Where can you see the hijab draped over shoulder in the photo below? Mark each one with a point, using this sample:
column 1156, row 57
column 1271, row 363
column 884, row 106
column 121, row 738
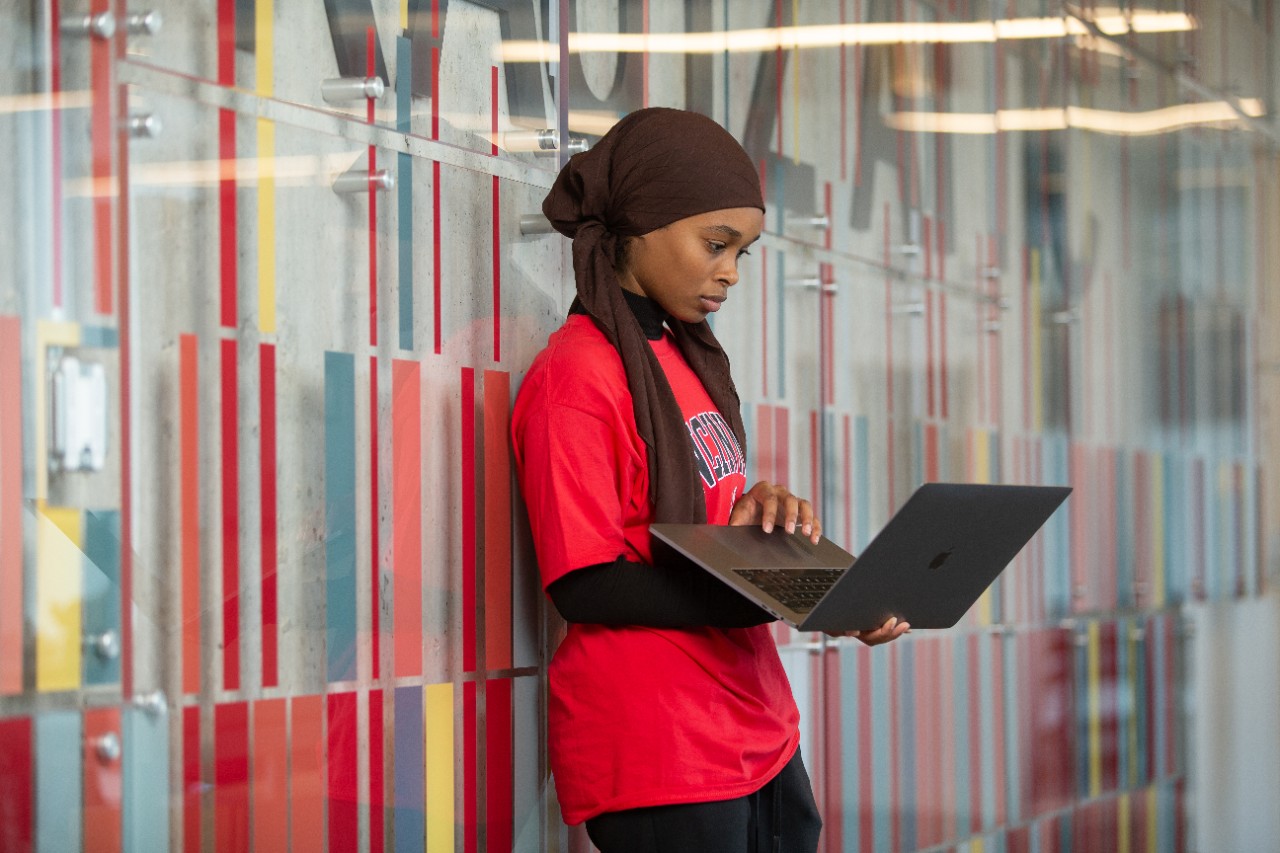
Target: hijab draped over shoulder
column 654, row 167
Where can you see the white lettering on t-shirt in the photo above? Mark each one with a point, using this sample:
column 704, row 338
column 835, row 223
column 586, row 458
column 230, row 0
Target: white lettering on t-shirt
column 716, row 450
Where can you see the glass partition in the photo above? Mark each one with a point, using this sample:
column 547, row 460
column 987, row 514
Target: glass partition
column 276, row 271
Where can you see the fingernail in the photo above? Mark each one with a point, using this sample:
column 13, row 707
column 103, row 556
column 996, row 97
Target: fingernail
column 768, row 527
column 791, row 527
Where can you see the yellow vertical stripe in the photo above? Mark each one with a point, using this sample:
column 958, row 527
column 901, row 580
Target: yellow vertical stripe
column 976, row 846
column 1153, row 823
column 439, row 756
column 1123, row 841
column 980, row 471
column 1095, row 713
column 1157, row 530
column 264, row 23
column 404, row 14
column 1037, row 384
column 59, row 582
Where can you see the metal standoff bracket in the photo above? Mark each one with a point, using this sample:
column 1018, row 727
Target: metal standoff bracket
column 107, row 747
column 343, row 90
column 105, row 645
column 535, row 223
column 820, row 221
column 152, row 704
column 913, row 308
column 1065, row 318
column 813, row 282
column 100, row 26
column 143, row 125
column 544, row 141
column 359, row 181
column 910, row 250
column 143, row 23
column 992, row 271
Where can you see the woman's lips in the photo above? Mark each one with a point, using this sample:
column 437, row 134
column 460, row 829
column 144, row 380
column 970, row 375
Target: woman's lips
column 712, row 303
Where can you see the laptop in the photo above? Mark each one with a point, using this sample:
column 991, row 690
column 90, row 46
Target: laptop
column 927, row 566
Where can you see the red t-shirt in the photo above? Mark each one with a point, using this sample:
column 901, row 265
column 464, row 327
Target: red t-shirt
column 638, row 716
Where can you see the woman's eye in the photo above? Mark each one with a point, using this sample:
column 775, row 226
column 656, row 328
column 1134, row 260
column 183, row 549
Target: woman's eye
column 742, row 252
column 715, row 246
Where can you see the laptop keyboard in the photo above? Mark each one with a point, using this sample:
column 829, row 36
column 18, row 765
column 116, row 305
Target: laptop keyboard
column 798, row 589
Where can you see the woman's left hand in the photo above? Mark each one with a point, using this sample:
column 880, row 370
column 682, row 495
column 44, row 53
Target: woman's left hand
column 767, row 504
column 891, row 630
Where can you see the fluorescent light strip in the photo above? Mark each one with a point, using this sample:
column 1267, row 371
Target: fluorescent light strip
column 1115, row 122
column 835, row 35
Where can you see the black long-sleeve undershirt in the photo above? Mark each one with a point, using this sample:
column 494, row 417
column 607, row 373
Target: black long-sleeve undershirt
column 658, row 596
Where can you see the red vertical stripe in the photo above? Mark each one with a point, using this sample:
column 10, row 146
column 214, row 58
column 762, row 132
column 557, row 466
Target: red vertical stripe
column 942, row 345
column 102, row 783
column 377, row 773
column 435, row 83
column 124, row 324
column 499, row 765
column 497, row 271
column 847, row 471
column 227, row 202
column 230, row 520
column 189, row 427
column 782, row 444
column 231, row 776
column 895, row 748
column 10, row 506
column 493, row 110
column 307, row 773
column 270, row 776
column 191, row 786
column 931, row 473
column 341, row 794
column 267, row 454
column 470, row 768
column 375, row 516
column 436, row 244
column 1109, row 711
column 16, row 794
column 497, row 519
column 100, row 119
column 1138, row 821
column 406, row 487
column 467, row 528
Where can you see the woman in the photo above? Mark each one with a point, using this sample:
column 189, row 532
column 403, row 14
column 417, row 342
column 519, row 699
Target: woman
column 672, row 724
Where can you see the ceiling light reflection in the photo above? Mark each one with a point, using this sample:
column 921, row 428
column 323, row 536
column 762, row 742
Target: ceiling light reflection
column 1116, row 122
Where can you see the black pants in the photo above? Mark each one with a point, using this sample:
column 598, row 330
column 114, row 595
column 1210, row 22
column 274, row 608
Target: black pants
column 779, row 818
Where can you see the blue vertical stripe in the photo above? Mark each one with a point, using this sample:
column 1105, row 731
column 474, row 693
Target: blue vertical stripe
column 882, row 815
column 146, row 781
column 1213, row 515
column 1124, row 704
column 340, row 514
column 1057, row 532
column 404, row 190
column 59, row 768
column 851, row 780
column 1177, row 527
column 410, row 794
column 1159, row 625
column 101, row 601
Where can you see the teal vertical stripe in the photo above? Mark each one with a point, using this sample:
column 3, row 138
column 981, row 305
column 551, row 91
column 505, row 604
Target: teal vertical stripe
column 1124, row 702
column 59, row 762
column 340, row 514
column 101, row 591
column 1159, row 625
column 1124, row 530
column 882, row 813
column 1057, row 532
column 851, row 781
column 917, row 455
column 146, row 781
column 960, row 724
column 908, row 800
column 404, row 190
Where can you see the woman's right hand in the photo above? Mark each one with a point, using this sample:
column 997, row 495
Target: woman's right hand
column 767, row 504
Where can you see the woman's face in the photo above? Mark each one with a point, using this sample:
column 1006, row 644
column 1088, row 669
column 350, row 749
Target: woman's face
column 687, row 267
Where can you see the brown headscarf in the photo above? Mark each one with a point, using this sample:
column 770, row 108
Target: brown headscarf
column 654, row 167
